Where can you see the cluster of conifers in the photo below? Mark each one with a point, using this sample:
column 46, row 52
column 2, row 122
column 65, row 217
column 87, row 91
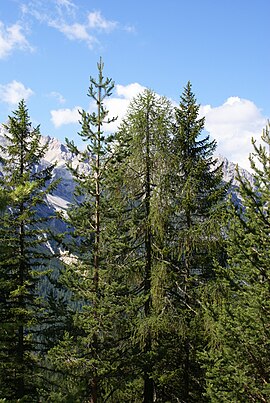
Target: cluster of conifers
column 162, row 292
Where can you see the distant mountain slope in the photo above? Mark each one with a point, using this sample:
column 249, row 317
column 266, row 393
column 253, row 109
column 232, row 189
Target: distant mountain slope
column 63, row 195
column 229, row 171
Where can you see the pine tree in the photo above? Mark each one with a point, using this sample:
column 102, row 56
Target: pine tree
column 193, row 242
column 24, row 257
column 88, row 356
column 237, row 360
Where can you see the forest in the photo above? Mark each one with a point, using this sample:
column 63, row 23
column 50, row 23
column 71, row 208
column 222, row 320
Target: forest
column 158, row 288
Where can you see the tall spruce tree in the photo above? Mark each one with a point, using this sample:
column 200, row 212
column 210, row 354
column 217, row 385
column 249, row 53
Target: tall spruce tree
column 193, row 243
column 24, row 258
column 237, row 359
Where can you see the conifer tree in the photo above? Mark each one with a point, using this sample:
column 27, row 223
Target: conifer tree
column 88, row 356
column 193, row 242
column 146, row 129
column 24, row 257
column 237, row 360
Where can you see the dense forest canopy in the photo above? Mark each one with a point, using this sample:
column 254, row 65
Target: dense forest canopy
column 156, row 288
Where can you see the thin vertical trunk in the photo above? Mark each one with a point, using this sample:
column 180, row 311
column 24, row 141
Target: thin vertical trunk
column 94, row 383
column 20, row 350
column 186, row 376
column 148, row 396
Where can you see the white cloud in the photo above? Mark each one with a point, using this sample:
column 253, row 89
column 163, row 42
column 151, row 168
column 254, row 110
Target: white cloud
column 129, row 91
column 232, row 125
column 65, row 16
column 61, row 117
column 97, row 21
column 118, row 105
column 65, row 3
column 82, row 32
column 74, row 31
column 65, row 8
column 12, row 37
column 14, row 92
column 58, row 96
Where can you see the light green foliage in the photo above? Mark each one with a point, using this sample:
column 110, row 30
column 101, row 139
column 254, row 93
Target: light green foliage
column 147, row 129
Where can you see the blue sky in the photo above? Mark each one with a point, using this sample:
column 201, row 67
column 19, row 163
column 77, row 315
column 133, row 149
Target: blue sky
column 49, row 48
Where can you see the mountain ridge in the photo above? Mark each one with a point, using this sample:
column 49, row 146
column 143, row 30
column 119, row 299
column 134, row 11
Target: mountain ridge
column 57, row 153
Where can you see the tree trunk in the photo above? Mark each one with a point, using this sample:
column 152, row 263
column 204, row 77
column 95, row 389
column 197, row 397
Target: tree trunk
column 148, row 381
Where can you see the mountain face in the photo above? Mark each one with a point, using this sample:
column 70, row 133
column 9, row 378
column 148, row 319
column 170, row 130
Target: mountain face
column 58, row 154
column 229, row 172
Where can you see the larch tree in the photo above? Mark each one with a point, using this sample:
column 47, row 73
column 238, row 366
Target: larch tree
column 146, row 128
column 237, row 359
column 25, row 258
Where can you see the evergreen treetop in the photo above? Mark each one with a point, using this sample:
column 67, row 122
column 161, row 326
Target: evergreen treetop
column 24, row 256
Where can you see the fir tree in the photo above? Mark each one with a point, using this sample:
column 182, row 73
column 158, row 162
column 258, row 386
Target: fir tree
column 24, row 257
column 193, row 242
column 237, row 360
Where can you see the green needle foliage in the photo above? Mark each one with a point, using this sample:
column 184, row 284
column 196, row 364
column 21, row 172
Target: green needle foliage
column 157, row 300
column 238, row 358
column 24, row 259
column 196, row 193
column 89, row 354
column 146, row 130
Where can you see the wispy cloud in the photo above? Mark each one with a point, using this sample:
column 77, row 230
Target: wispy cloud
column 74, row 31
column 67, row 4
column 74, row 23
column 59, row 97
column 130, row 29
column 12, row 37
column 98, row 22
column 14, row 92
column 233, row 124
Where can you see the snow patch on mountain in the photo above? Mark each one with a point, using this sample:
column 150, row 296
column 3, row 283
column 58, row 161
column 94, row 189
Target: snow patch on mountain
column 58, row 203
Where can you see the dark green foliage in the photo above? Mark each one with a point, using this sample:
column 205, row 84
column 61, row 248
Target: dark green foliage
column 147, row 307
column 194, row 242
column 24, row 257
column 237, row 362
column 89, row 355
